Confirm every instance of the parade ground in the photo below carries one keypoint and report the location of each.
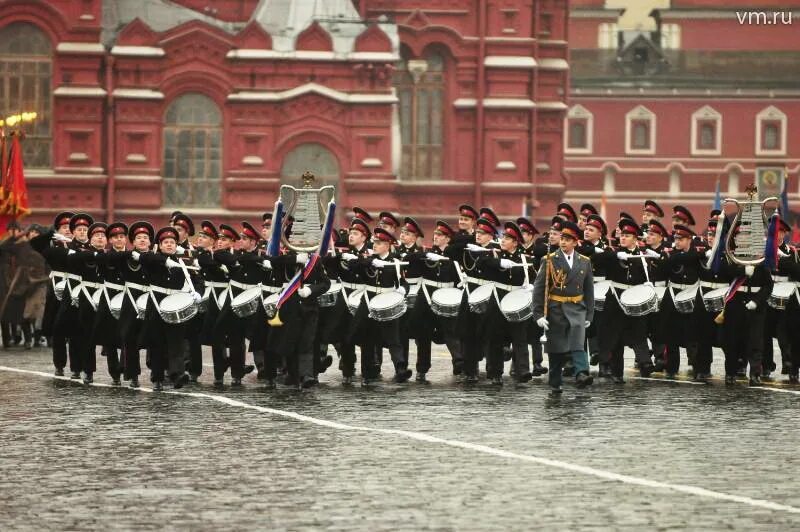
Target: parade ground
(650, 454)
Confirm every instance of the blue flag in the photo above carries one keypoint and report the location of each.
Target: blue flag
(771, 247)
(785, 201)
(717, 198)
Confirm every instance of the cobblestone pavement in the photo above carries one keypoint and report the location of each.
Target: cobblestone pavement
(651, 454)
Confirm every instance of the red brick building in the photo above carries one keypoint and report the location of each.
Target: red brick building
(711, 94)
(413, 106)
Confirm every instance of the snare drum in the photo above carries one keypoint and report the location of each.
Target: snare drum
(446, 302)
(714, 300)
(329, 298)
(479, 298)
(58, 289)
(781, 292)
(387, 306)
(205, 301)
(684, 300)
(177, 308)
(246, 303)
(115, 304)
(639, 300)
(600, 291)
(354, 301)
(141, 306)
(517, 305)
(271, 304)
(411, 298)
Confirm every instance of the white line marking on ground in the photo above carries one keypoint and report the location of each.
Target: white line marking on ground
(419, 436)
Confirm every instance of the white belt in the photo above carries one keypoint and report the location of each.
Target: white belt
(380, 289)
(506, 287)
(680, 286)
(780, 278)
(166, 291)
(271, 289)
(88, 284)
(140, 287)
(217, 284)
(599, 278)
(436, 284)
(480, 282)
(709, 284)
(72, 276)
(352, 286)
(621, 286)
(114, 286)
(413, 280)
(243, 286)
(660, 283)
(753, 289)
(54, 274)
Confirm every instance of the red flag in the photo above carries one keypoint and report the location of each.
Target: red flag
(14, 192)
(3, 153)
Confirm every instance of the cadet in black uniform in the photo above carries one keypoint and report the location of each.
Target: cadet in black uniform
(105, 332)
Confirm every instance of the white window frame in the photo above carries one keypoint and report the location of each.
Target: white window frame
(640, 113)
(706, 114)
(607, 35)
(671, 36)
(581, 113)
(771, 114)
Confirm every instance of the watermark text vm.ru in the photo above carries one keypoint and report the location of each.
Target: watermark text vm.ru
(767, 18)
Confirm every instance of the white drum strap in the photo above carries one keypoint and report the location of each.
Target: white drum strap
(672, 295)
(155, 301)
(88, 296)
(797, 295)
(496, 297)
(130, 296)
(427, 295)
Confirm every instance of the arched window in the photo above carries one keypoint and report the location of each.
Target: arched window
(310, 157)
(420, 85)
(25, 75)
(192, 152)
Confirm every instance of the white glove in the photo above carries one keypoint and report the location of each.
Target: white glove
(542, 322)
(135, 255)
(301, 258)
(196, 296)
(401, 290)
(304, 292)
(749, 270)
(652, 254)
(751, 305)
(172, 264)
(648, 283)
(599, 250)
(435, 256)
(370, 251)
(709, 253)
(378, 263)
(349, 256)
(527, 287)
(475, 247)
(781, 253)
(266, 264)
(587, 323)
(180, 250)
(623, 255)
(506, 263)
(60, 237)
(71, 252)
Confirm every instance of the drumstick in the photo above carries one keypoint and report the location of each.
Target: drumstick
(525, 263)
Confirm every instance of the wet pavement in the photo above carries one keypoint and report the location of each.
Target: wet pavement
(692, 456)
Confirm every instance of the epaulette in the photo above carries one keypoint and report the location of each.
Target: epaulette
(584, 257)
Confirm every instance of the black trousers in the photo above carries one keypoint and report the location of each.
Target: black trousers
(59, 346)
(167, 356)
(112, 361)
(131, 366)
(621, 330)
(776, 326)
(743, 335)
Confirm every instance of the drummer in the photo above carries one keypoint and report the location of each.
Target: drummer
(790, 265)
(656, 238)
(625, 271)
(380, 275)
(708, 331)
(595, 246)
(775, 324)
(165, 340)
(652, 211)
(508, 275)
(408, 249)
(587, 209)
(105, 332)
(680, 329)
(467, 219)
(472, 325)
(534, 250)
(244, 273)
